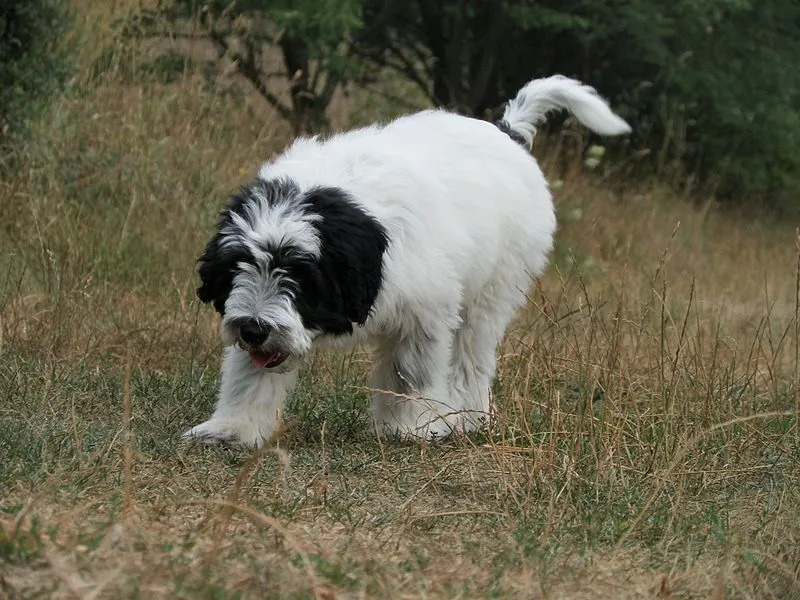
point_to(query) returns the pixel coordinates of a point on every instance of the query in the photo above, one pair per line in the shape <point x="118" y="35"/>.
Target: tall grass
<point x="645" y="442"/>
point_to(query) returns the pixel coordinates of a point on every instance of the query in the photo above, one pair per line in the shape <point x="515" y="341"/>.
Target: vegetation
<point x="646" y="442"/>
<point x="704" y="84"/>
<point x="32" y="65"/>
<point x="311" y="35"/>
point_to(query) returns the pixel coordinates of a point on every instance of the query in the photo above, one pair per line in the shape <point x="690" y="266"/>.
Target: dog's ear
<point x="217" y="268"/>
<point x="343" y="284"/>
<point x="218" y="263"/>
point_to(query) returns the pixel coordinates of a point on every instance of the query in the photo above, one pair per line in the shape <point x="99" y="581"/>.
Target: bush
<point x="33" y="66"/>
<point x="710" y="88"/>
<point x="706" y="87"/>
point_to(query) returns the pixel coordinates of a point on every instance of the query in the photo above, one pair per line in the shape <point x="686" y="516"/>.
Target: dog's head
<point x="286" y="266"/>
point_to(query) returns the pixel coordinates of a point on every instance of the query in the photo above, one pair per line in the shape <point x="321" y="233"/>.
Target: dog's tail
<point x="542" y="96"/>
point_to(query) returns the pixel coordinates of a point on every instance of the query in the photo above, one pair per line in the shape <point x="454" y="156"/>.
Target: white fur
<point x="274" y="224"/>
<point x="470" y="222"/>
<point x="542" y="96"/>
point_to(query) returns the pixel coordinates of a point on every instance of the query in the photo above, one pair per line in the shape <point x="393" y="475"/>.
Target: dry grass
<point x="646" y="443"/>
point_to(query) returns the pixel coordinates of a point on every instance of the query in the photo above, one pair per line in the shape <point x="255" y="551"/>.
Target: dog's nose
<point x="253" y="333"/>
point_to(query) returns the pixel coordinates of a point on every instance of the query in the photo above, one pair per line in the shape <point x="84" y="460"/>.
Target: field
<point x="646" y="442"/>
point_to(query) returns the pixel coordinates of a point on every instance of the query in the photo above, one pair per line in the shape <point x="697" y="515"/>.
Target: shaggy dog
<point x="419" y="237"/>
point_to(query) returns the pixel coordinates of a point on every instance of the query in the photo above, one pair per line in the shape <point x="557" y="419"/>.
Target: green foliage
<point x="32" y="65"/>
<point x="313" y="36"/>
<point x="706" y="85"/>
<point x="709" y="87"/>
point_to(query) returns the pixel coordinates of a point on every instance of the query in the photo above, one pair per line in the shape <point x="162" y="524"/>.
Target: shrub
<point x="33" y="65"/>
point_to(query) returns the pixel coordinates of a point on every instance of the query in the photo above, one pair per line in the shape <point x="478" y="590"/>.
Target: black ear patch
<point x="217" y="265"/>
<point x="341" y="287"/>
<point x="217" y="270"/>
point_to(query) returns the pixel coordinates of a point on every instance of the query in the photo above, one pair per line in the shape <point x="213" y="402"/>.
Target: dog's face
<point x="286" y="266"/>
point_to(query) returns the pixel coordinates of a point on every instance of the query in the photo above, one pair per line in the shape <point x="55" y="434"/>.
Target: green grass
<point x="645" y="442"/>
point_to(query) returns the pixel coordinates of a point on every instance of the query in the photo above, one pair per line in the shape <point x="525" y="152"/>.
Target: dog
<point x="420" y="237"/>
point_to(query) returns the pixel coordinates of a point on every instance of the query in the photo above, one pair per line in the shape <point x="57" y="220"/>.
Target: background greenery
<point x="646" y="440"/>
<point x="709" y="86"/>
<point x="33" y="61"/>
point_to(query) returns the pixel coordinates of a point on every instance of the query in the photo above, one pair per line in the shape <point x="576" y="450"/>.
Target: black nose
<point x="253" y="333"/>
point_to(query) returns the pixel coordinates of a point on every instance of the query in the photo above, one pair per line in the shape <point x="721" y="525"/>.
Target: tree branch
<point x="485" y="60"/>
<point x="402" y="64"/>
<point x="331" y="83"/>
<point x="249" y="70"/>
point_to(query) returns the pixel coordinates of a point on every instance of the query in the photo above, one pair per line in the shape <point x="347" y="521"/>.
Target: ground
<point x="646" y="442"/>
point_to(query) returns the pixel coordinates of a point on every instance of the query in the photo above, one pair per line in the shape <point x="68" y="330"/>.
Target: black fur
<point x="331" y="293"/>
<point x="217" y="270"/>
<point x="340" y="289"/>
<point x="218" y="265"/>
<point x="506" y="128"/>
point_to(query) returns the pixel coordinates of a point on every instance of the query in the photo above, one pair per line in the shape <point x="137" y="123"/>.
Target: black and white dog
<point x="420" y="237"/>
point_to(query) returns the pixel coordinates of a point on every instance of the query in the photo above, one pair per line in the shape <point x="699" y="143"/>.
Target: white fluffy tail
<point x="542" y="96"/>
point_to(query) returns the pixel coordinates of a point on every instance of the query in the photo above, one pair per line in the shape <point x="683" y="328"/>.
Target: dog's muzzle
<point x="253" y="335"/>
<point x="253" y="332"/>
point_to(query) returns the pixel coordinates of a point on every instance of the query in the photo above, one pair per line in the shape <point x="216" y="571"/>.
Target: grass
<point x="646" y="441"/>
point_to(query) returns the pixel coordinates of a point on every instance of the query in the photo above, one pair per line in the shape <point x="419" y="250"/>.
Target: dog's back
<point x="460" y="200"/>
<point x="466" y="179"/>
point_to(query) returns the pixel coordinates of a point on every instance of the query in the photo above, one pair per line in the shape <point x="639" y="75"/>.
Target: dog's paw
<point x="436" y="429"/>
<point x="226" y="433"/>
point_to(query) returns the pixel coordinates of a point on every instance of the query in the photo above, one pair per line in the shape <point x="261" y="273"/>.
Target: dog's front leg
<point x="250" y="403"/>
<point x="410" y="386"/>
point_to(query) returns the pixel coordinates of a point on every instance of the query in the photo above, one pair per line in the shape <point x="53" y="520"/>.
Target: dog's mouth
<point x="264" y="360"/>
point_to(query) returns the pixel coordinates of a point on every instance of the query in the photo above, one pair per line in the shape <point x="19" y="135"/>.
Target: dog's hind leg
<point x="410" y="382"/>
<point x="473" y="366"/>
<point x="249" y="405"/>
<point x="474" y="356"/>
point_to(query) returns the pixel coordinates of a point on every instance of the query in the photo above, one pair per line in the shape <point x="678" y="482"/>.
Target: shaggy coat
<point x="419" y="237"/>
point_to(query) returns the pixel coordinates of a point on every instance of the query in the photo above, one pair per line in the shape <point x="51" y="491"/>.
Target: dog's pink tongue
<point x="261" y="359"/>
